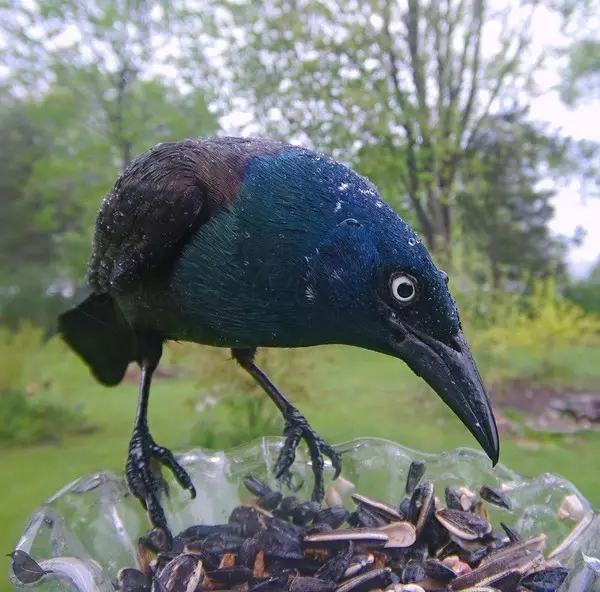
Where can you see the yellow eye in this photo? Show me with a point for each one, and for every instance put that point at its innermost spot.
(404, 288)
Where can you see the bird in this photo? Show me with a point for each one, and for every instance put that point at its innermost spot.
(26, 569)
(247, 243)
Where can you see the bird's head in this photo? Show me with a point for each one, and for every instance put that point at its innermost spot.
(378, 288)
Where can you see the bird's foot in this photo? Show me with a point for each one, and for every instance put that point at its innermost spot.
(144, 482)
(296, 429)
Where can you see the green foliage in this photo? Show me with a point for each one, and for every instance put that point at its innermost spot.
(28, 413)
(502, 211)
(417, 78)
(586, 293)
(528, 335)
(233, 408)
(94, 84)
(27, 420)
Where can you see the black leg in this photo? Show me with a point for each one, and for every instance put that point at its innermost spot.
(145, 456)
(296, 428)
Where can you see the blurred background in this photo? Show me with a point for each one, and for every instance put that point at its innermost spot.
(479, 122)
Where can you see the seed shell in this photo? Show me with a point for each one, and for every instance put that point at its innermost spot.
(495, 497)
(463, 525)
(415, 474)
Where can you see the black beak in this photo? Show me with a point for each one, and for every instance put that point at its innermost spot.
(451, 372)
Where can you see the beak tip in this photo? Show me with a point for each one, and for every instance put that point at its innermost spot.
(492, 447)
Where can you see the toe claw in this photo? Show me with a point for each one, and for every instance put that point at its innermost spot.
(297, 429)
(167, 458)
(335, 457)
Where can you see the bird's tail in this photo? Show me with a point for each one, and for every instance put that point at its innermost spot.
(96, 332)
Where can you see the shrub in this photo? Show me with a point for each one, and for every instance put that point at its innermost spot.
(232, 408)
(530, 335)
(28, 415)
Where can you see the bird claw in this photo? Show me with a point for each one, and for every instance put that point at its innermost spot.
(144, 476)
(296, 429)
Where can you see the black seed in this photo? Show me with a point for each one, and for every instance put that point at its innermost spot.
(251, 520)
(435, 535)
(418, 553)
(129, 578)
(161, 561)
(288, 504)
(413, 572)
(280, 545)
(335, 568)
(450, 548)
(545, 580)
(222, 543)
(495, 497)
(475, 557)
(513, 535)
(415, 474)
(201, 531)
(437, 570)
(231, 575)
(182, 573)
(256, 487)
(421, 506)
(304, 566)
(452, 497)
(404, 507)
(334, 517)
(353, 520)
(303, 584)
(304, 513)
(210, 560)
(156, 540)
(369, 519)
(289, 529)
(271, 500)
(248, 551)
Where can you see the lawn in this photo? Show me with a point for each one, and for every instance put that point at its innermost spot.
(353, 393)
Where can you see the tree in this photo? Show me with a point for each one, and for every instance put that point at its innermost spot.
(104, 77)
(503, 212)
(415, 77)
(580, 76)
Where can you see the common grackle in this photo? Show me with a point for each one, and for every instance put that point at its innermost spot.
(246, 243)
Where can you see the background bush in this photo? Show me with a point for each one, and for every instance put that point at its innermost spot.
(232, 408)
(30, 408)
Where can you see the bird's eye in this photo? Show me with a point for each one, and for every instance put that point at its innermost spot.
(404, 288)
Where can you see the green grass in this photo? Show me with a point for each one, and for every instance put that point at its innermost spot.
(353, 393)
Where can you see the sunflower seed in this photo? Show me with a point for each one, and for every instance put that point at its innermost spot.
(462, 524)
(415, 474)
(495, 497)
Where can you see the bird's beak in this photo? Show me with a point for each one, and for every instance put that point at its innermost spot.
(451, 372)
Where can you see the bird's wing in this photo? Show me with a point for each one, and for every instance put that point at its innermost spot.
(161, 200)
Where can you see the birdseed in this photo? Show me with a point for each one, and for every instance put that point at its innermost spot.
(280, 544)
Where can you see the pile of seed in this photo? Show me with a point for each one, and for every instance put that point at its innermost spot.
(278, 543)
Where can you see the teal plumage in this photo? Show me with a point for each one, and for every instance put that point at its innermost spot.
(246, 243)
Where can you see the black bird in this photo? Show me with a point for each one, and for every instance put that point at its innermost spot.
(247, 243)
(26, 569)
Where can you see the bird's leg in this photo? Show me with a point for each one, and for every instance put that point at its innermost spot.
(145, 456)
(296, 428)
